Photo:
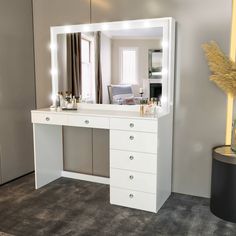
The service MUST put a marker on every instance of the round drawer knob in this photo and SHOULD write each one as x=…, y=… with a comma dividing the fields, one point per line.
x=47, y=119
x=131, y=195
x=131, y=125
x=131, y=137
x=131, y=177
x=131, y=158
x=86, y=121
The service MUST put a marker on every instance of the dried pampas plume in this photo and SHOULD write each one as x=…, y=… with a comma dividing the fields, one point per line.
x=222, y=68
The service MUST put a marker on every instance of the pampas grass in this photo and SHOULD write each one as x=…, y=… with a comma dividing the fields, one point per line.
x=222, y=68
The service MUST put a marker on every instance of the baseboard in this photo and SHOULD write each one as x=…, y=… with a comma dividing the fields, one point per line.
x=90, y=178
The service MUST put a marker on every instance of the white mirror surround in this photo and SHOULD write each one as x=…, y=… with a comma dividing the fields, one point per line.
x=168, y=45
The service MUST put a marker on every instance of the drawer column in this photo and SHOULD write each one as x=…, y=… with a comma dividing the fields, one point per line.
x=133, y=163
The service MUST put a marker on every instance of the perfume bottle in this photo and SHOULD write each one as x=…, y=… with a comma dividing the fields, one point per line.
x=62, y=101
x=143, y=103
x=141, y=110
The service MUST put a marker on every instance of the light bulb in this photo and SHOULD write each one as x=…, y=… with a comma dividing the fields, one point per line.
x=53, y=71
x=164, y=44
x=53, y=46
x=67, y=29
x=146, y=24
x=105, y=27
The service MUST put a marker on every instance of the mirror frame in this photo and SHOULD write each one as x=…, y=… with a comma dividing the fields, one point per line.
x=168, y=48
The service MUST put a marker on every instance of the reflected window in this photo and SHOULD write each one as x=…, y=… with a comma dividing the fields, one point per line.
x=128, y=65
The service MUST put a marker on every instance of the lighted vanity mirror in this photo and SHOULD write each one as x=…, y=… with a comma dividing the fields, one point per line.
x=114, y=63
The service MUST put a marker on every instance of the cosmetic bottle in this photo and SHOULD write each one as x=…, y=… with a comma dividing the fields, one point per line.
x=143, y=104
x=73, y=102
x=141, y=109
x=62, y=101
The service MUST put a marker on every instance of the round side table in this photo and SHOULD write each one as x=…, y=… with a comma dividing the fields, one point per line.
x=223, y=183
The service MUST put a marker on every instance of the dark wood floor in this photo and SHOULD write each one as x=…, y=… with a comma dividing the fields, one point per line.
x=72, y=207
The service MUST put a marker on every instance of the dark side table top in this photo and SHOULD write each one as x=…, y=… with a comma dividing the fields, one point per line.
x=224, y=154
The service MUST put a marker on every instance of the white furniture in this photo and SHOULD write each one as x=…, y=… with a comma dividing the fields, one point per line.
x=140, y=152
x=140, y=147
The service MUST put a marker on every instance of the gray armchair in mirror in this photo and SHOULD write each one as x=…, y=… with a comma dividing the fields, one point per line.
x=122, y=95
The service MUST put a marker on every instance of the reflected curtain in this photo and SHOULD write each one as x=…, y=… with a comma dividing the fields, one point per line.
x=74, y=72
x=98, y=69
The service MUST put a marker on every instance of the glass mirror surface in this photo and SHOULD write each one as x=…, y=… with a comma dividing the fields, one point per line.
x=110, y=67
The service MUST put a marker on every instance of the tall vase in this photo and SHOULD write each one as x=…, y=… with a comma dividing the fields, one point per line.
x=233, y=139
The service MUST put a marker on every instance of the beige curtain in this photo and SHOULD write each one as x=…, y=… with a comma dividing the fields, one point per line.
x=74, y=72
x=98, y=68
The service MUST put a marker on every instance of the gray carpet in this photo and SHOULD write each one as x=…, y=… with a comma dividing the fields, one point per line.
x=72, y=207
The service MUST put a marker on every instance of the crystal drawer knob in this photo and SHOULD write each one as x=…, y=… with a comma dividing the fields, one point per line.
x=131, y=195
x=131, y=137
x=131, y=177
x=131, y=158
x=131, y=125
x=86, y=122
x=47, y=119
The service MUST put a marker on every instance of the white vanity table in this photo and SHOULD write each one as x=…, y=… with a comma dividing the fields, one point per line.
x=140, y=153
x=140, y=147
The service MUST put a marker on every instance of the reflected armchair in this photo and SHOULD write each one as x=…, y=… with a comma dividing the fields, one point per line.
x=122, y=95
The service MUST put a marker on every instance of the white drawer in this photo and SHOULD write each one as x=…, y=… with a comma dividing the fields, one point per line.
x=134, y=125
x=133, y=141
x=133, y=199
x=136, y=161
x=51, y=119
x=89, y=122
x=133, y=180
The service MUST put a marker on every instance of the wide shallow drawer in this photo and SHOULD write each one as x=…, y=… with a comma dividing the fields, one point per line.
x=51, y=119
x=133, y=180
x=133, y=141
x=89, y=121
x=136, y=161
x=133, y=199
x=134, y=125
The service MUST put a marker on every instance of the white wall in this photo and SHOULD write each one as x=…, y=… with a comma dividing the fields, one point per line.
x=17, y=89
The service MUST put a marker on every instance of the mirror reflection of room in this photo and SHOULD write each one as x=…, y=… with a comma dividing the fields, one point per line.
x=111, y=67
